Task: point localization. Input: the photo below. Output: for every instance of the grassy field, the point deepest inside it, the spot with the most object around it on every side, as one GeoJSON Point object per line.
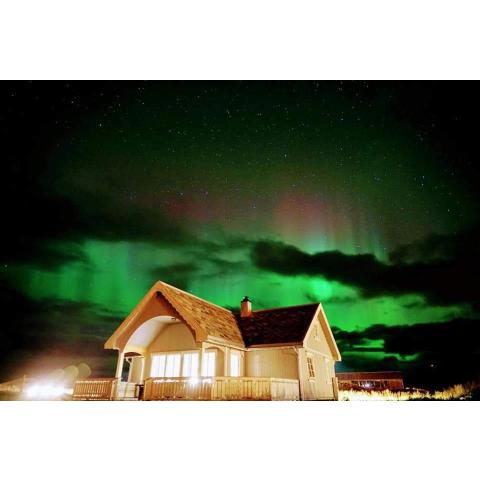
{"type": "Point", "coordinates": [468, 391]}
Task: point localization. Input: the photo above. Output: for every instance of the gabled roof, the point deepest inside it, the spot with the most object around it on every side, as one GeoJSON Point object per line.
{"type": "Point", "coordinates": [277, 325]}
{"type": "Point", "coordinates": [215, 321]}
{"type": "Point", "coordinates": [204, 318]}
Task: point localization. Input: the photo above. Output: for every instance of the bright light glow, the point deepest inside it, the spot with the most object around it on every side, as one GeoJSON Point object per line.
{"type": "Point", "coordinates": [193, 381]}
{"type": "Point", "coordinates": [46, 391]}
{"type": "Point", "coordinates": [455, 392]}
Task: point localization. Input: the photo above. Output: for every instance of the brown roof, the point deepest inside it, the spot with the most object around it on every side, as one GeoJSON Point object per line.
{"type": "Point", "coordinates": [277, 325]}
{"type": "Point", "coordinates": [288, 325]}
{"type": "Point", "coordinates": [369, 375]}
{"type": "Point", "coordinates": [212, 319]}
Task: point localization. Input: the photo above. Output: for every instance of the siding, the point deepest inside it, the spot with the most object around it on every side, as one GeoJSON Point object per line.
{"type": "Point", "coordinates": [320, 344]}
{"type": "Point", "coordinates": [173, 338]}
{"type": "Point", "coordinates": [275, 362]}
{"type": "Point", "coordinates": [321, 387]}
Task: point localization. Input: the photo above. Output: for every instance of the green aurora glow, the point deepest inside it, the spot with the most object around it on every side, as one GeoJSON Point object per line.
{"type": "Point", "coordinates": [176, 181]}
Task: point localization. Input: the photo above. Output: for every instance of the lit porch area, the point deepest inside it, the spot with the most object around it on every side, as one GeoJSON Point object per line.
{"type": "Point", "coordinates": [188, 388]}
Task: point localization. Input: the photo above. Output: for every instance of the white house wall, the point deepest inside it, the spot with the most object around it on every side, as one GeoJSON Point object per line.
{"type": "Point", "coordinates": [173, 338]}
{"type": "Point", "coordinates": [319, 344]}
{"type": "Point", "coordinates": [274, 362]}
{"type": "Point", "coordinates": [317, 347]}
{"type": "Point", "coordinates": [135, 373]}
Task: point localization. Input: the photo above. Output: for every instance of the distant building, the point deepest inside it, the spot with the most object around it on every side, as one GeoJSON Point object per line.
{"type": "Point", "coordinates": [370, 381]}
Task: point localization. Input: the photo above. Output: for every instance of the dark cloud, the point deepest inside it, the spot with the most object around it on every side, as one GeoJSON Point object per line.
{"type": "Point", "coordinates": [443, 268]}
{"type": "Point", "coordinates": [176, 274]}
{"type": "Point", "coordinates": [36, 333]}
{"type": "Point", "coordinates": [47, 232]}
{"type": "Point", "coordinates": [343, 300]}
{"type": "Point", "coordinates": [442, 352]}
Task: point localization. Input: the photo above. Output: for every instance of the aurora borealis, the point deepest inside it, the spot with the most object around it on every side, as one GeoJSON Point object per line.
{"type": "Point", "coordinates": [361, 195]}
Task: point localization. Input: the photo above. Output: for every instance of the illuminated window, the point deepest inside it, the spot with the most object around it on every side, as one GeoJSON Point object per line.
{"type": "Point", "coordinates": [208, 364]}
{"type": "Point", "coordinates": [235, 364]}
{"type": "Point", "coordinates": [311, 370]}
{"type": "Point", "coordinates": [190, 364]}
{"type": "Point", "coordinates": [158, 366]}
{"type": "Point", "coordinates": [172, 367]}
{"type": "Point", "coordinates": [166, 365]}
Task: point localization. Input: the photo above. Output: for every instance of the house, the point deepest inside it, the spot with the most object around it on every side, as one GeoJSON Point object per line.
{"type": "Point", "coordinates": [370, 381]}
{"type": "Point", "coordinates": [174, 345]}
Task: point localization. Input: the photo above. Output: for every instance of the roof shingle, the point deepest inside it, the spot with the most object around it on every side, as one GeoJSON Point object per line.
{"type": "Point", "coordinates": [212, 319]}
{"type": "Point", "coordinates": [277, 325]}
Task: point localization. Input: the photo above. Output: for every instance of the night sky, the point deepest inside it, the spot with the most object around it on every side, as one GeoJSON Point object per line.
{"type": "Point", "coordinates": [361, 195]}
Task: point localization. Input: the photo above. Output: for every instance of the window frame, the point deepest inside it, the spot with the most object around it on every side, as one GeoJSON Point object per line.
{"type": "Point", "coordinates": [310, 368]}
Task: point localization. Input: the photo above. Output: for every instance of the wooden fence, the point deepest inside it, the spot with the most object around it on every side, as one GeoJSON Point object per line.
{"type": "Point", "coordinates": [94, 389]}
{"type": "Point", "coordinates": [221, 388]}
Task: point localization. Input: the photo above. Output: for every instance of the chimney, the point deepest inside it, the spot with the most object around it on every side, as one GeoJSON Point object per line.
{"type": "Point", "coordinates": [246, 307]}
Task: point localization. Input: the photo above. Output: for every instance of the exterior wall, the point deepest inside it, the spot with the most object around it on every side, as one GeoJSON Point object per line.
{"type": "Point", "coordinates": [173, 338]}
{"type": "Point", "coordinates": [316, 346]}
{"type": "Point", "coordinates": [318, 343]}
{"type": "Point", "coordinates": [135, 373]}
{"type": "Point", "coordinates": [226, 364]}
{"type": "Point", "coordinates": [273, 362]}
{"type": "Point", "coordinates": [321, 386]}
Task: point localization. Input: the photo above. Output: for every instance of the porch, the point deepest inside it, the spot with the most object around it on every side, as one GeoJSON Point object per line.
{"type": "Point", "coordinates": [189, 388]}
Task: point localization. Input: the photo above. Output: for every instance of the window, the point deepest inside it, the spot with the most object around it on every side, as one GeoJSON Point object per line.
{"type": "Point", "coordinates": [209, 364]}
{"type": "Point", "coordinates": [172, 367]}
{"type": "Point", "coordinates": [158, 366]}
{"type": "Point", "coordinates": [316, 332]}
{"type": "Point", "coordinates": [166, 365]}
{"type": "Point", "coordinates": [234, 364]}
{"type": "Point", "coordinates": [190, 364]}
{"type": "Point", "coordinates": [311, 370]}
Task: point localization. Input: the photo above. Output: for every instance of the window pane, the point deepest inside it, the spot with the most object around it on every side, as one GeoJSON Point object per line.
{"type": "Point", "coordinates": [158, 366]}
{"type": "Point", "coordinates": [190, 365]}
{"type": "Point", "coordinates": [172, 368]}
{"type": "Point", "coordinates": [209, 364]}
{"type": "Point", "coordinates": [234, 364]}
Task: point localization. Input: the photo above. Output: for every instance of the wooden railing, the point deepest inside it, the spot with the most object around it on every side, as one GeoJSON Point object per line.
{"type": "Point", "coordinates": [14, 386]}
{"type": "Point", "coordinates": [221, 388]}
{"type": "Point", "coordinates": [94, 389]}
